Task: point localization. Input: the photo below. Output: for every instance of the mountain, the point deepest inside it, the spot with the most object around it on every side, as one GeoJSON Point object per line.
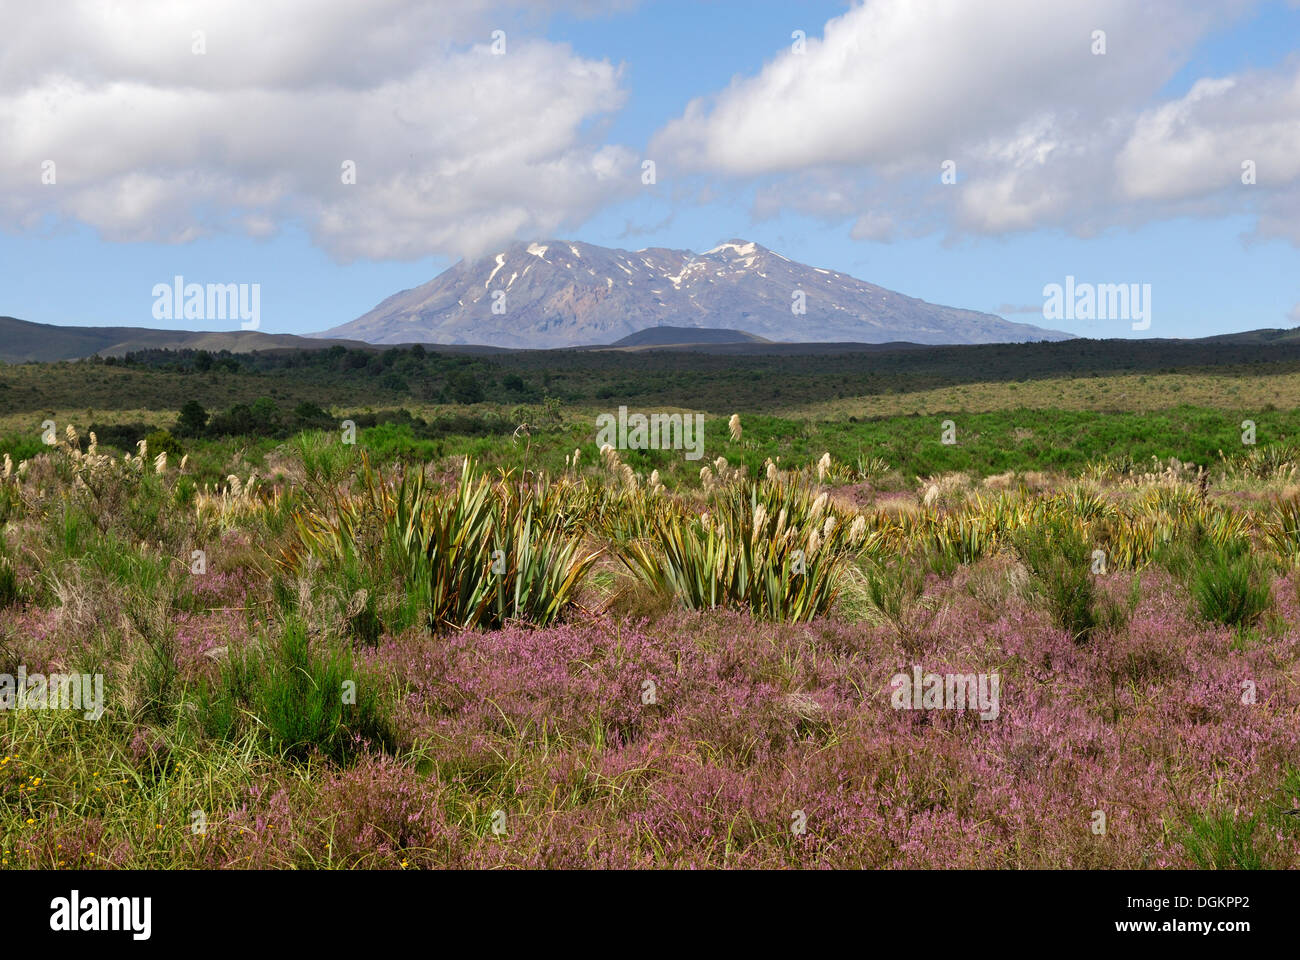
{"type": "Point", "coordinates": [684, 337]}
{"type": "Point", "coordinates": [22, 340]}
{"type": "Point", "coordinates": [1262, 336]}
{"type": "Point", "coordinates": [562, 294]}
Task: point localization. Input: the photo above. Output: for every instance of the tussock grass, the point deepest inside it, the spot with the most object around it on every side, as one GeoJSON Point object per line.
{"type": "Point", "coordinates": [357, 682]}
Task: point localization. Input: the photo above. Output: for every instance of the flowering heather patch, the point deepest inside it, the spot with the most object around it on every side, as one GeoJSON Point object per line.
{"type": "Point", "coordinates": [249, 724]}
{"type": "Point", "coordinates": [202, 639]}
{"type": "Point", "coordinates": [39, 633]}
{"type": "Point", "coordinates": [751, 727]}
{"type": "Point", "coordinates": [222, 588]}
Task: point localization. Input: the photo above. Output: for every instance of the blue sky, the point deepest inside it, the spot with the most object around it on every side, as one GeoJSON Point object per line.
{"type": "Point", "coordinates": [1119, 168]}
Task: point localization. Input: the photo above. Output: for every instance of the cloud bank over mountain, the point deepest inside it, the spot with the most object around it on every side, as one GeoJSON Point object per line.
{"type": "Point", "coordinates": [165, 122]}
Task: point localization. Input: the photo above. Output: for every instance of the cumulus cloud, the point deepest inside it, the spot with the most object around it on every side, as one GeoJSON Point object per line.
{"type": "Point", "coordinates": [894, 81]}
{"type": "Point", "coordinates": [455, 148]}
{"type": "Point", "coordinates": [1236, 139]}
{"type": "Point", "coordinates": [1043, 130]}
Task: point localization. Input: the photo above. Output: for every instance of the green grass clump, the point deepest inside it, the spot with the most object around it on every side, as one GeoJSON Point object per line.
{"type": "Point", "coordinates": [778, 554]}
{"type": "Point", "coordinates": [1229, 587]}
{"type": "Point", "coordinates": [303, 696]}
{"type": "Point", "coordinates": [9, 590]}
{"type": "Point", "coordinates": [479, 555]}
{"type": "Point", "coordinates": [1222, 841]}
{"type": "Point", "coordinates": [1060, 560]}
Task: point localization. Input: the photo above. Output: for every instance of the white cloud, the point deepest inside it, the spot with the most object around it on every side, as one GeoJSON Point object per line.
{"type": "Point", "coordinates": [874, 226]}
{"type": "Point", "coordinates": [900, 81]}
{"type": "Point", "coordinates": [1201, 148]}
{"type": "Point", "coordinates": [456, 149]}
{"type": "Point", "coordinates": [1043, 132]}
{"type": "Point", "coordinates": [1199, 143]}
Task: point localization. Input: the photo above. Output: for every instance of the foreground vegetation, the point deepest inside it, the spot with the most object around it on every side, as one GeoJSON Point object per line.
{"type": "Point", "coordinates": [323, 654]}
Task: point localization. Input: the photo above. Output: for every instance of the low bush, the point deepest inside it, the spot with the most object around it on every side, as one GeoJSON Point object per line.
{"type": "Point", "coordinates": [1060, 560]}
{"type": "Point", "coordinates": [1229, 587]}
{"type": "Point", "coordinates": [304, 697]}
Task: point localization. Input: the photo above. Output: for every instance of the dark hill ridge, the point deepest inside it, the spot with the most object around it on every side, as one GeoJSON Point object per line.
{"type": "Point", "coordinates": [22, 341]}
{"type": "Point", "coordinates": [559, 293]}
{"type": "Point", "coordinates": [669, 336]}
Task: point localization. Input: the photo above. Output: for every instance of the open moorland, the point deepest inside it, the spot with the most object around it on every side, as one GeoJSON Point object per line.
{"type": "Point", "coordinates": [401, 609]}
